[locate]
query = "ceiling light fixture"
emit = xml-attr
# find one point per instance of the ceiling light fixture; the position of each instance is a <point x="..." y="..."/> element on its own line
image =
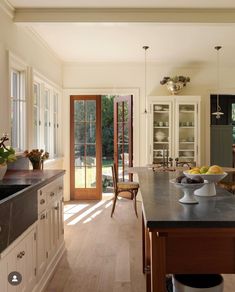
<point x="145" y="78"/>
<point x="218" y="112"/>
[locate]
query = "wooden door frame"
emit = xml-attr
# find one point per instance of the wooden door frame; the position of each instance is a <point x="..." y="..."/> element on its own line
<point x="91" y="193"/>
<point x="129" y="100"/>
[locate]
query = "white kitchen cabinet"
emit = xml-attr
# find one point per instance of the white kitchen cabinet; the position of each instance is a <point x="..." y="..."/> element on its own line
<point x="174" y="129"/>
<point x="50" y="223"/>
<point x="42" y="234"/>
<point x="22" y="259"/>
<point x="36" y="252"/>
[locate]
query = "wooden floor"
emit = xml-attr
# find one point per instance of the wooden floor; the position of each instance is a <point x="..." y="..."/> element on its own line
<point x="103" y="254"/>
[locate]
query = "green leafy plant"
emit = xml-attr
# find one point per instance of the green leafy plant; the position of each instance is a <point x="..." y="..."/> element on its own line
<point x="175" y="79"/>
<point x="7" y="154"/>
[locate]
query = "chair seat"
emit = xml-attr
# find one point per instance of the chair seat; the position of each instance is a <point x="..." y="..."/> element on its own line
<point x="128" y="185"/>
<point x="229" y="186"/>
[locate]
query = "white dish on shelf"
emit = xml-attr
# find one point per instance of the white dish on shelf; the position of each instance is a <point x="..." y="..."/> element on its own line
<point x="157" y="107"/>
<point x="208" y="190"/>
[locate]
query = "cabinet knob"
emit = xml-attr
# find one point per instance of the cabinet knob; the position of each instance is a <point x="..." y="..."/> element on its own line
<point x="19" y="256"/>
<point x="56" y="208"/>
<point x="22" y="253"/>
<point x="40" y="193"/>
<point x="42" y="201"/>
<point x="43" y="216"/>
<point x="52" y="194"/>
<point x="60" y="188"/>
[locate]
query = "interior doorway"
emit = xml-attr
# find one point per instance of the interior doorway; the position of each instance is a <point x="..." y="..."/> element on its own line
<point x="223" y="131"/>
<point x="101" y="131"/>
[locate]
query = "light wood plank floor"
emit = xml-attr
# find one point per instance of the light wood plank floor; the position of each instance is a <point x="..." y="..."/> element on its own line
<point x="103" y="254"/>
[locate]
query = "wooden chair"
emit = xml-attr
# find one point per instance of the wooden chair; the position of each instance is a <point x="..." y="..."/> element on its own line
<point x="227" y="185"/>
<point x="129" y="186"/>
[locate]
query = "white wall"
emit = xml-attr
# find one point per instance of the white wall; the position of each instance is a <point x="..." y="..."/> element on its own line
<point x="115" y="76"/>
<point x="21" y="43"/>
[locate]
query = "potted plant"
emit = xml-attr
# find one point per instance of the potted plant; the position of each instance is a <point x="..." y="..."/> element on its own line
<point x="175" y="84"/>
<point x="7" y="154"/>
<point x="37" y="157"/>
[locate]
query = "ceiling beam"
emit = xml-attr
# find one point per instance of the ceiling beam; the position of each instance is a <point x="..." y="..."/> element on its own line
<point x="124" y="15"/>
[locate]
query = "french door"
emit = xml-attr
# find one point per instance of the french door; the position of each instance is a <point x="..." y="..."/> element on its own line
<point x="123" y="136"/>
<point x="85" y="147"/>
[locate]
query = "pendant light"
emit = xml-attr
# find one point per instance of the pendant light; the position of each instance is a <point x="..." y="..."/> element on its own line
<point x="218" y="112"/>
<point x="145" y="78"/>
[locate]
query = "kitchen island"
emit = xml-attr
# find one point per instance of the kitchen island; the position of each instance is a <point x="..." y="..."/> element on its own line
<point x="184" y="239"/>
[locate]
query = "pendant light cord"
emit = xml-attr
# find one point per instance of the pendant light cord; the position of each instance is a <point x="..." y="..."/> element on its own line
<point x="218" y="83"/>
<point x="218" y="112"/>
<point x="145" y="78"/>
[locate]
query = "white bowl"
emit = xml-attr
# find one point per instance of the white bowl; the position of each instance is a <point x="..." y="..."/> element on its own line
<point x="208" y="190"/>
<point x="188" y="190"/>
<point x="208" y="177"/>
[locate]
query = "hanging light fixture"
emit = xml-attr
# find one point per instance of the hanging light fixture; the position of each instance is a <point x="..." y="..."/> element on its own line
<point x="145" y="78"/>
<point x="218" y="112"/>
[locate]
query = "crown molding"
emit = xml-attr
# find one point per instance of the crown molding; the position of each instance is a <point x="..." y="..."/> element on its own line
<point x="162" y="15"/>
<point x="7" y="8"/>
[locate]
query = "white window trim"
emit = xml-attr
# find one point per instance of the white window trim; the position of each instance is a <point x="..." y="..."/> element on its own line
<point x="53" y="88"/>
<point x="17" y="64"/>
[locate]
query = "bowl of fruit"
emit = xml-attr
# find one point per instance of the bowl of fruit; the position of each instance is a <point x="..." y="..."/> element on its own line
<point x="210" y="174"/>
<point x="188" y="186"/>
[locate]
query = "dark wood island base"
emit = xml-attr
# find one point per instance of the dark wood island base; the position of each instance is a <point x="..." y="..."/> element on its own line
<point x="184" y="239"/>
<point x="188" y="251"/>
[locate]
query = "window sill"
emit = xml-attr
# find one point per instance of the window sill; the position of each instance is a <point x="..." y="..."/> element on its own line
<point x="53" y="160"/>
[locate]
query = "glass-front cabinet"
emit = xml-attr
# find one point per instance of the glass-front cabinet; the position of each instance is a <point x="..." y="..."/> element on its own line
<point x="174" y="129"/>
<point x="161" y="130"/>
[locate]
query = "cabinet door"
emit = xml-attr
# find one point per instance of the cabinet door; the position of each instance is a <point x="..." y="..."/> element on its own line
<point x="30" y="260"/>
<point x="22" y="259"/>
<point x="61" y="219"/>
<point x="16" y="263"/>
<point x="161" y="128"/>
<point x="3" y="275"/>
<point x="49" y="232"/>
<point x="41" y="244"/>
<point x="55" y="223"/>
<point x="187" y="132"/>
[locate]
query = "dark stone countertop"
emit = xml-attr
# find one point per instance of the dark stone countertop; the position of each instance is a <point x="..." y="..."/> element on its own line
<point x="162" y="209"/>
<point x="34" y="178"/>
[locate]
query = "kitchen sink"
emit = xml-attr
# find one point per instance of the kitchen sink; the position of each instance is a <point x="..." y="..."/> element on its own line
<point x="8" y="190"/>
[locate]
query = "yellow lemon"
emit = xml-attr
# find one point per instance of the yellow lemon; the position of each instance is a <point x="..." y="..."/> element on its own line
<point x="215" y="169"/>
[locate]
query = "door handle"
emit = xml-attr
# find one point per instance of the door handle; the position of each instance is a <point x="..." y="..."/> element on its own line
<point x="42" y="201"/>
<point x="43" y="216"/>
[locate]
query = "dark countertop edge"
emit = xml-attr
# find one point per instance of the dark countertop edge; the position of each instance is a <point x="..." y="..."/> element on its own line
<point x="188" y="224"/>
<point x="35" y="185"/>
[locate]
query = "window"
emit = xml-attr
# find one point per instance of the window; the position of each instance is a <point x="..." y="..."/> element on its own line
<point x="55" y="123"/>
<point x="36" y="114"/>
<point x="45" y="115"/>
<point x="18" y="110"/>
<point x="47" y="123"/>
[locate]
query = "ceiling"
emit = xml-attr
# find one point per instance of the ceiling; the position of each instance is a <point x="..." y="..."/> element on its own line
<point x="182" y="43"/>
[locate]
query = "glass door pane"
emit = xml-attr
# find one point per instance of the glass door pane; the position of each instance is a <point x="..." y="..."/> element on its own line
<point x="187" y="139"/>
<point x="86" y="143"/>
<point x="123" y="133"/>
<point x="161" y="132"/>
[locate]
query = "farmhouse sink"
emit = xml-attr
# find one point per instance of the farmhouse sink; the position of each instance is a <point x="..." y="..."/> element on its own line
<point x="8" y="190"/>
